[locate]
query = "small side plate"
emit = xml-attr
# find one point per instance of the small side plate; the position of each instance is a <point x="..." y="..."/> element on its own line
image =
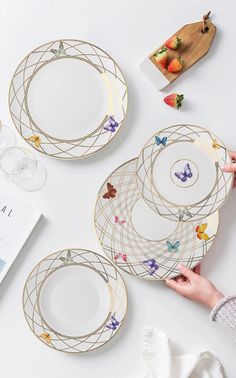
<point x="75" y="300"/>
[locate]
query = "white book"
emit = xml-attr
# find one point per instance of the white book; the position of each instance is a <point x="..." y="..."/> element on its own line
<point x="17" y="221"/>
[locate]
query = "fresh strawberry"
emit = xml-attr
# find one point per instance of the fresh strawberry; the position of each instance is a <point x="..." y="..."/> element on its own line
<point x="173" y="42"/>
<point x="175" y="100"/>
<point x="175" y="65"/>
<point x="162" y="57"/>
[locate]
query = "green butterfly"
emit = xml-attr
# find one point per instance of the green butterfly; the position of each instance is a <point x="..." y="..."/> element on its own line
<point x="173" y="247"/>
<point x="67" y="259"/>
<point x="184" y="212"/>
<point x="60" y="52"/>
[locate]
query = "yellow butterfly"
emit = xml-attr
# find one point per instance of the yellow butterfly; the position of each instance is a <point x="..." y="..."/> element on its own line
<point x="200" y="230"/>
<point x="36" y="140"/>
<point x="46" y="337"/>
<point x="215" y="144"/>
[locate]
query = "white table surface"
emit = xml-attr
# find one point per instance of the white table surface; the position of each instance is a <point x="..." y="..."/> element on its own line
<point x="128" y="30"/>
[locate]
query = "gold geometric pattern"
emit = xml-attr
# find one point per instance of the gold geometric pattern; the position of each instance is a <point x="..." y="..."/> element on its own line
<point x="212" y="202"/>
<point x="56" y="261"/>
<point x="119" y="240"/>
<point x="29" y="67"/>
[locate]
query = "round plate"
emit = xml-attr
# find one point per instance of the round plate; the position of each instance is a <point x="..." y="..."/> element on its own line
<point x="75" y="300"/>
<point x="179" y="173"/>
<point x="68" y="98"/>
<point x="140" y="241"/>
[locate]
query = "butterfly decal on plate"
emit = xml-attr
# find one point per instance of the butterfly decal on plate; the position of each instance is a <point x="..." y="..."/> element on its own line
<point x="187" y="173"/>
<point x="67" y="259"/>
<point x="161" y="141"/>
<point x="184" y="212"/>
<point x="46" y="337"/>
<point x="111" y="192"/>
<point x="112" y="124"/>
<point x="118" y="221"/>
<point x="173" y="247"/>
<point x="200" y="230"/>
<point x="60" y="51"/>
<point x="152" y="265"/>
<point x="36" y="140"/>
<point x="113" y="323"/>
<point x="215" y="144"/>
<point x="122" y="256"/>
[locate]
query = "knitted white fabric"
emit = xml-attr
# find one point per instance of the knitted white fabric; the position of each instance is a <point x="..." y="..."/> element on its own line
<point x="159" y="362"/>
<point x="224" y="313"/>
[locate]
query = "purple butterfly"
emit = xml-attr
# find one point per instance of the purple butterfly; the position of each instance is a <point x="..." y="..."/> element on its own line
<point x="152" y="264"/>
<point x="183" y="176"/>
<point x="114" y="323"/>
<point x="112" y="125"/>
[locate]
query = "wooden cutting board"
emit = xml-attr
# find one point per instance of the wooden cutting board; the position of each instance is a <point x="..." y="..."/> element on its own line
<point x="195" y="43"/>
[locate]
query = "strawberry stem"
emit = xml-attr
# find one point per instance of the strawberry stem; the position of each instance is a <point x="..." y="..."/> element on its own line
<point x="179" y="100"/>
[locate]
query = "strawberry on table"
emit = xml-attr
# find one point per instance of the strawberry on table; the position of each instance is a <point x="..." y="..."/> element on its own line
<point x="161" y="57"/>
<point x="175" y="65"/>
<point x="173" y="42"/>
<point x="175" y="100"/>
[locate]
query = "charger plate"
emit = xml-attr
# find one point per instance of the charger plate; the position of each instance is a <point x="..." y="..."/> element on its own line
<point x="74" y="300"/>
<point x="68" y="98"/>
<point x="137" y="239"/>
<point x="179" y="173"/>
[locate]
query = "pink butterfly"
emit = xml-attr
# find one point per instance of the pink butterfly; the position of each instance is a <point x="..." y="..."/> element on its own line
<point x="123" y="256"/>
<point x="120" y="222"/>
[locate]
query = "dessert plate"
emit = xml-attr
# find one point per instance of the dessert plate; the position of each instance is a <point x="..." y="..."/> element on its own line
<point x="68" y="99"/>
<point x="140" y="241"/>
<point x="75" y="300"/>
<point x="179" y="173"/>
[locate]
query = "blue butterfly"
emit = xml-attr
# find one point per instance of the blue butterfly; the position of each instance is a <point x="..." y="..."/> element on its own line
<point x="112" y="125"/>
<point x="114" y="323"/>
<point x="153" y="266"/>
<point x="173" y="247"/>
<point x="183" y="176"/>
<point x="162" y="141"/>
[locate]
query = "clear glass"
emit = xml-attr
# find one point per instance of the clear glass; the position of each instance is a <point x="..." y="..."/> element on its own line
<point x="21" y="167"/>
<point x="7" y="137"/>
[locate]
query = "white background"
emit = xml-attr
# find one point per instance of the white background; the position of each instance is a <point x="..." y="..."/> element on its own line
<point x="128" y="30"/>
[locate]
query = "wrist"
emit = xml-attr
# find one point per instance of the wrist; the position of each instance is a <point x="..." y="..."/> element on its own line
<point x="215" y="298"/>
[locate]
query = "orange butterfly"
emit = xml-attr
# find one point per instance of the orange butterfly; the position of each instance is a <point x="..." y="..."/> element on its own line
<point x="36" y="140"/>
<point x="111" y="192"/>
<point x="46" y="337"/>
<point x="215" y="144"/>
<point x="200" y="230"/>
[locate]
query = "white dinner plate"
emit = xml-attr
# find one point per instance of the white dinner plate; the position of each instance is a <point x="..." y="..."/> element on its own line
<point x="140" y="241"/>
<point x="68" y="98"/>
<point x="179" y="173"/>
<point x="74" y="300"/>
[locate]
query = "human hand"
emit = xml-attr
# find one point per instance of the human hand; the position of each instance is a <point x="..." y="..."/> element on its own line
<point x="195" y="287"/>
<point x="231" y="168"/>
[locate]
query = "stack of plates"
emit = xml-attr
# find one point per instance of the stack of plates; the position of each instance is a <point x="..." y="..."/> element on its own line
<point x="161" y="209"/>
